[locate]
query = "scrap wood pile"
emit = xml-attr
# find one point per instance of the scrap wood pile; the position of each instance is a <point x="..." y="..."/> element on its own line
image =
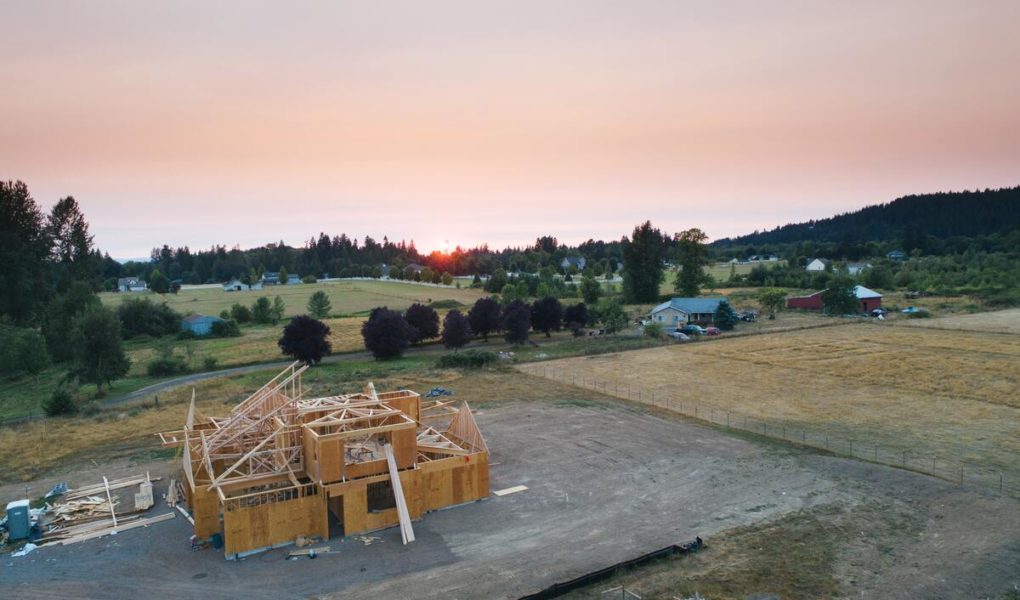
<point x="94" y="511"/>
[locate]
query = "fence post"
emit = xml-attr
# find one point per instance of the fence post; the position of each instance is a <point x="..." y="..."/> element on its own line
<point x="727" y="419"/>
<point x="851" y="448"/>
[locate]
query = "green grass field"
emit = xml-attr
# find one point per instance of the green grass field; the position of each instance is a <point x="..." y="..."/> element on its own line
<point x="719" y="271"/>
<point x="347" y="297"/>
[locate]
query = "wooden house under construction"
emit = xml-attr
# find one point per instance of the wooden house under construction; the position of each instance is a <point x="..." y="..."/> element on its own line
<point x="281" y="465"/>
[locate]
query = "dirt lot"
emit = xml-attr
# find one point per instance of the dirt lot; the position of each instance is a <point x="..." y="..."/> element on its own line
<point x="916" y="389"/>
<point x="607" y="481"/>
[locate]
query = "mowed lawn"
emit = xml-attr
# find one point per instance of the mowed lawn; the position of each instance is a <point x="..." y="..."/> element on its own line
<point x="347" y="297"/>
<point x="928" y="391"/>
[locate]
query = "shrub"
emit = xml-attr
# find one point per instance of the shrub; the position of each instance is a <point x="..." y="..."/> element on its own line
<point x="653" y="329"/>
<point x="445" y="304"/>
<point x="61" y="402"/>
<point x="309" y="279"/>
<point x="22" y="351"/>
<point x="468" y="359"/>
<point x="186" y="334"/>
<point x="262" y="312"/>
<point x="240" y="313"/>
<point x="209" y="363"/>
<point x="141" y="316"/>
<point x="227" y="328"/>
<point x="166" y="365"/>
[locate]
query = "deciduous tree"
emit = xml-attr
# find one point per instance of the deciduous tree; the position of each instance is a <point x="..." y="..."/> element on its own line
<point x="516" y="322"/>
<point x="839" y="298"/>
<point x="306" y="339"/>
<point x="547" y="315"/>
<point x="772" y="300"/>
<point x="386" y="333"/>
<point x="98" y="349"/>
<point x="484" y="317"/>
<point x="456" y="330"/>
<point x="424" y="322"/>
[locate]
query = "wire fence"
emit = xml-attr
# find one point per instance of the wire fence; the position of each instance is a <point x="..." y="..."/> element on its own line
<point x="944" y="466"/>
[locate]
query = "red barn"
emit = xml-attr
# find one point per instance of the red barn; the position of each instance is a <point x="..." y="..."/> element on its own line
<point x="870" y="300"/>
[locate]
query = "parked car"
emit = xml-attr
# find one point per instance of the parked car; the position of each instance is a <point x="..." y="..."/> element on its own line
<point x="692" y="329"/>
<point x="749" y="315"/>
<point x="878" y="312"/>
<point x="712" y="331"/>
<point x="913" y="309"/>
<point x="680" y="337"/>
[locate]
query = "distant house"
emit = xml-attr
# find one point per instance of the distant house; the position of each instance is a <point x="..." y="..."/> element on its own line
<point x="199" y="324"/>
<point x="236" y="285"/>
<point x="869" y="299"/>
<point x="573" y="261"/>
<point x="130" y="284"/>
<point x="273" y="278"/>
<point x="817" y="264"/>
<point x="415" y="268"/>
<point x="857" y="268"/>
<point x="897" y="255"/>
<point x="681" y="311"/>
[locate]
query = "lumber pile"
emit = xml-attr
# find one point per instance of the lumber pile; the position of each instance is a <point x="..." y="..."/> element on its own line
<point x="93" y="511"/>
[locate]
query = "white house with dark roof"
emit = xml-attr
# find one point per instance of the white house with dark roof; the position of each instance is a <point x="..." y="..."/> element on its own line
<point x="573" y="261"/>
<point x="131" y="284"/>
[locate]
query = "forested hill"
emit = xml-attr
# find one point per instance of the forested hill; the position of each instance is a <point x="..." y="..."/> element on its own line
<point x="942" y="215"/>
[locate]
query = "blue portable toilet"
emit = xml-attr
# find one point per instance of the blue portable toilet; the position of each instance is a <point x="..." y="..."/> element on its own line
<point x="18" y="522"/>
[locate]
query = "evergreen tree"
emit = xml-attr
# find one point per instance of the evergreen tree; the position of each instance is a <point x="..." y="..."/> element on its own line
<point x="306" y="339"/>
<point x="725" y="317"/>
<point x="693" y="256"/>
<point x="279" y="308"/>
<point x="319" y="305"/>
<point x="24" y="247"/>
<point x="484" y="317"/>
<point x="283" y="276"/>
<point x="456" y="330"/>
<point x="642" y="264"/>
<point x="72" y="243"/>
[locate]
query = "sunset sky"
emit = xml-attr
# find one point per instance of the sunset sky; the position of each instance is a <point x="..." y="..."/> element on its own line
<point x="200" y="123"/>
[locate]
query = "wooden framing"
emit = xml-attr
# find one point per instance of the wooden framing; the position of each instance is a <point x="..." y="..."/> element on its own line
<point x="279" y="464"/>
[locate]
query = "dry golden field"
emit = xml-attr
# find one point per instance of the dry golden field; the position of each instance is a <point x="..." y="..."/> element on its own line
<point x="1003" y="321"/>
<point x="927" y="391"/>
